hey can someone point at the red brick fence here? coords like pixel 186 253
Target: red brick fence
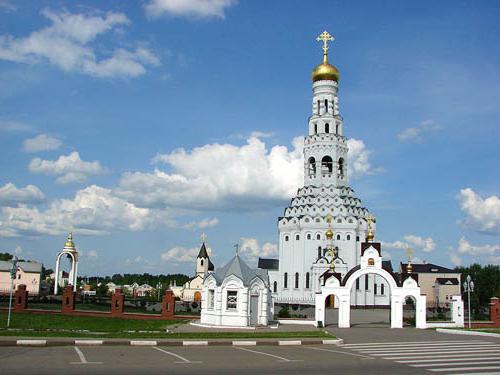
pixel 494 316
pixel 117 306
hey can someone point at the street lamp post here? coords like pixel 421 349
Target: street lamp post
pixel 468 287
pixel 13 272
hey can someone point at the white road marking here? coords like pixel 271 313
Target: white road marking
pixel 479 373
pixel 281 359
pixel 464 368
pixel 458 364
pixel 395 343
pixel 485 346
pixel 184 360
pixel 440 356
pixel 437 352
pixel 447 358
pixel 83 360
pixel 341 352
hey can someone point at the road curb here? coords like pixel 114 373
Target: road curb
pixel 220 342
pixel 467 333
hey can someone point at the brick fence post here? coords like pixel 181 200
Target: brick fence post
pixel 21 298
pixel 168 305
pixel 68 301
pixel 117 303
pixel 495 310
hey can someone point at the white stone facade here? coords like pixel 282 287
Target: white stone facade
pixel 302 228
pixel 237 296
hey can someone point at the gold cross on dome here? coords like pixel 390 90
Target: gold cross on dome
pixel 325 37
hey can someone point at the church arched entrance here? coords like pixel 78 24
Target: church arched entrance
pixel 197 297
pixel 370 301
pixel 331 311
pixel 370 263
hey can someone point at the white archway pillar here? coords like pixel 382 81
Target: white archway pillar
pixel 420 312
pixel 396 311
pixel 56 281
pixel 319 311
pixel 344 308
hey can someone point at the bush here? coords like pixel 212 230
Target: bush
pixel 284 313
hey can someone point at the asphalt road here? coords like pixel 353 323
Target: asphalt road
pixel 392 352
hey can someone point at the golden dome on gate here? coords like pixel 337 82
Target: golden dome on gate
pixel 329 234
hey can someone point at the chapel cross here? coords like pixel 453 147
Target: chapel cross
pixel 237 248
pixel 325 37
pixel 203 237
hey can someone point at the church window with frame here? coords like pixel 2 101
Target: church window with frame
pixel 297 237
pixel 319 252
pixel 211 298
pixel 296 280
pixel 308 236
pixel 326 164
pixel 319 106
pixel 286 238
pixel 326 106
pixel 338 237
pixel 232 300
pixel 275 287
pixel 367 286
pixel 348 237
pixel 307 280
pixel 318 236
pixel 327 128
pixel 315 128
pixel 357 284
pixel 285 280
pixel 375 289
pixel 382 289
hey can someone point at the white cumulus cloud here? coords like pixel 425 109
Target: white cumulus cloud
pixel 482 214
pixel 188 8
pixel 11 195
pixel 416 242
pixel 202 224
pixel 225 176
pixel 94 210
pixel 68 168
pixel 465 247
pixel 251 249
pixel 42 142
pixel 67 44
pixel 416 134
pixel 180 254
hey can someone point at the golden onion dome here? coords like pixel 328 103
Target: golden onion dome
pixel 325 72
pixel 69 242
pixel 329 234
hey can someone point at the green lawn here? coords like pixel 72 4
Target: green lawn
pixel 56 325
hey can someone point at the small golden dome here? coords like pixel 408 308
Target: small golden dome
pixel 325 71
pixel 69 242
pixel 329 234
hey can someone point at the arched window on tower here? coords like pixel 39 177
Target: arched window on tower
pixel 275 286
pixel 315 128
pixel 201 262
pixel 327 128
pixel 307 280
pixel 312 167
pixel 341 167
pixel 326 165
pixel 326 106
pixel 285 280
pixel 318 236
pixel 337 129
pixel 319 106
pixel 296 280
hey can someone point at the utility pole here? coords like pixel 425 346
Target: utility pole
pixel 13 272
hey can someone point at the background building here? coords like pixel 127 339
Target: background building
pixel 28 273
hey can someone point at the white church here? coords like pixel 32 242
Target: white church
pixel 325 223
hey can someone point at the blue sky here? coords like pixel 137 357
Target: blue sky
pixel 143 124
